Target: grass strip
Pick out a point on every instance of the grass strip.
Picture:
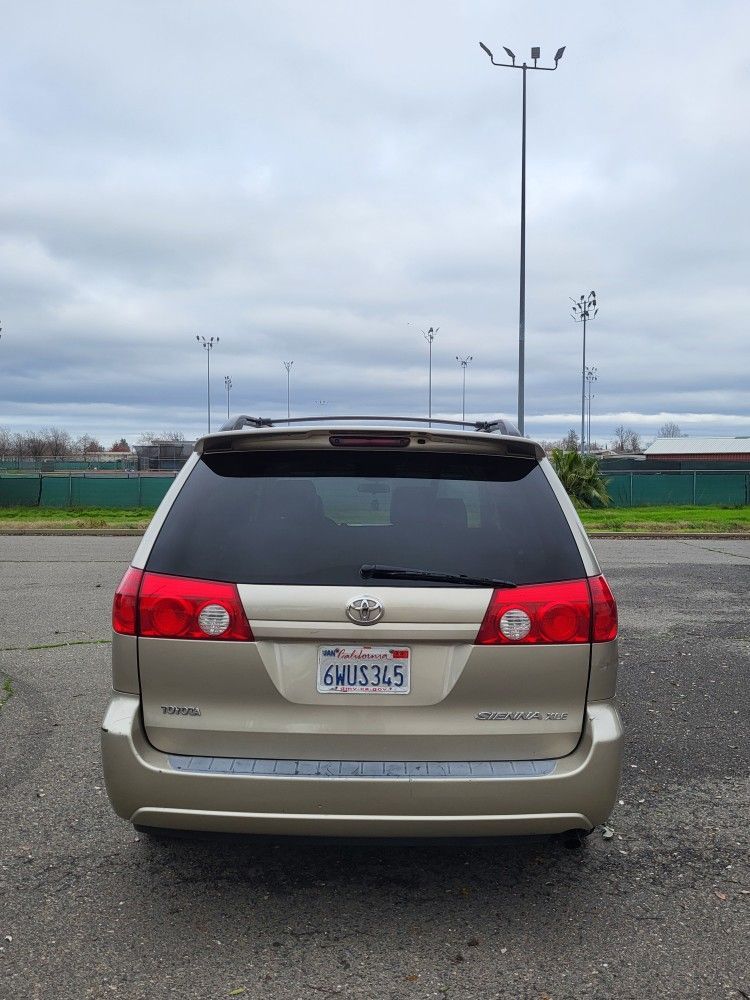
(666, 519)
(84, 517)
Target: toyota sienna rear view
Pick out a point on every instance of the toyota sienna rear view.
(364, 629)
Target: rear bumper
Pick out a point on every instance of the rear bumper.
(152, 788)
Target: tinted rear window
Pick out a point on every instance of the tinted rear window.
(315, 517)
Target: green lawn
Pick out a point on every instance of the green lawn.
(87, 517)
(667, 519)
(613, 519)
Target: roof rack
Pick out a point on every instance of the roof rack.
(487, 426)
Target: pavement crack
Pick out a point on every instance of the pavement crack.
(56, 645)
(67, 562)
(709, 548)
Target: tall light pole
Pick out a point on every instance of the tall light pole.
(584, 310)
(592, 376)
(228, 387)
(464, 362)
(429, 336)
(535, 56)
(288, 366)
(207, 343)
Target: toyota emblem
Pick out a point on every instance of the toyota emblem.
(364, 610)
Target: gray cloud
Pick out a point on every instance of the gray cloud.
(306, 181)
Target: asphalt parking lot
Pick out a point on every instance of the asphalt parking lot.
(87, 909)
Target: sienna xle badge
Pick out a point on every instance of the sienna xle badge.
(335, 627)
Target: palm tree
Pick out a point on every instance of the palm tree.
(581, 477)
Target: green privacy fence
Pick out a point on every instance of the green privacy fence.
(672, 489)
(626, 489)
(60, 491)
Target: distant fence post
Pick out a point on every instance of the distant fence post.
(695, 489)
(631, 489)
(70, 491)
(140, 491)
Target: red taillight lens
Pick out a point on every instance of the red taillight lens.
(174, 607)
(545, 613)
(605, 610)
(125, 604)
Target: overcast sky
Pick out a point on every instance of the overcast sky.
(317, 181)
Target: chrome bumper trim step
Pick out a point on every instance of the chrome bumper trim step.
(407, 769)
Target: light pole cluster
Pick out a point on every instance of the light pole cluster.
(535, 56)
(584, 311)
(429, 336)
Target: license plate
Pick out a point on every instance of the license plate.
(364, 670)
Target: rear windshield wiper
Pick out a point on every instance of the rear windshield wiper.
(371, 571)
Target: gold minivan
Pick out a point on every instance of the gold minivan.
(364, 627)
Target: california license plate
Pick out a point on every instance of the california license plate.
(364, 670)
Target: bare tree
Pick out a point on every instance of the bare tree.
(171, 437)
(35, 446)
(571, 441)
(549, 445)
(669, 430)
(626, 440)
(58, 443)
(6, 443)
(20, 446)
(634, 442)
(620, 440)
(87, 445)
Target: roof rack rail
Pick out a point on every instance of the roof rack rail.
(486, 426)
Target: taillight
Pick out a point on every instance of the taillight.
(605, 610)
(125, 604)
(573, 611)
(542, 614)
(175, 607)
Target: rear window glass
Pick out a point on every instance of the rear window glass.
(315, 517)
